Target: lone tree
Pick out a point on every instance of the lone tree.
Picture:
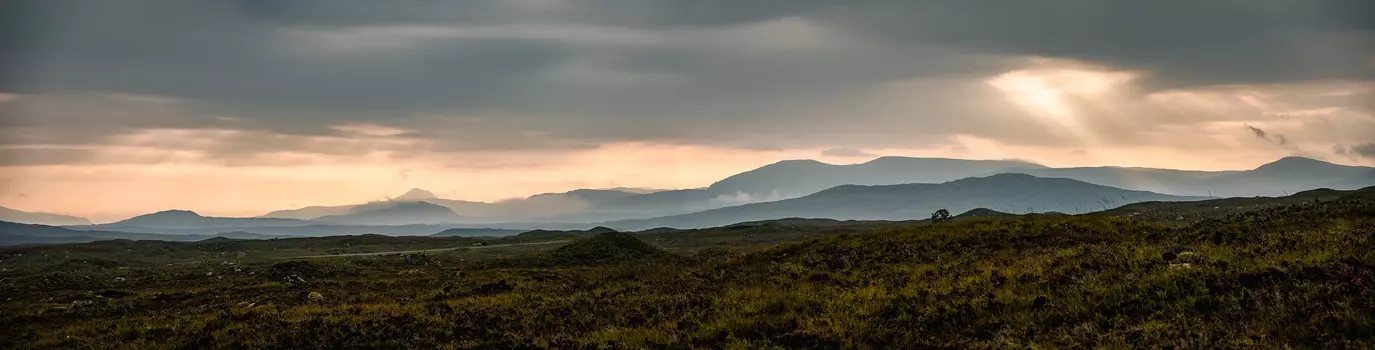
(940, 216)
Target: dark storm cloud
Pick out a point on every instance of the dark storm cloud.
(1360, 150)
(11, 156)
(1181, 42)
(565, 74)
(1278, 139)
(1258, 132)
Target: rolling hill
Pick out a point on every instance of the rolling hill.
(795, 178)
(12, 215)
(1016, 193)
(17, 233)
(184, 219)
(540, 206)
(477, 232)
(1281, 177)
(397, 214)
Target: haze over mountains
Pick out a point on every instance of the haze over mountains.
(11, 215)
(1284, 176)
(401, 213)
(191, 220)
(16, 233)
(1018, 193)
(797, 178)
(887, 188)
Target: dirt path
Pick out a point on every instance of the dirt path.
(423, 250)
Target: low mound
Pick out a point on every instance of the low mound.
(983, 213)
(604, 248)
(565, 234)
(1364, 193)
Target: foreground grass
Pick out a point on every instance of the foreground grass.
(1297, 275)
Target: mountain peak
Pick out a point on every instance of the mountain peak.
(938, 160)
(418, 206)
(1293, 163)
(1003, 177)
(175, 213)
(416, 194)
(797, 162)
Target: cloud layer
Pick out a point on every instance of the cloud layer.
(256, 83)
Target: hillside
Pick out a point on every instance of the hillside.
(17, 233)
(477, 232)
(1188, 212)
(401, 213)
(982, 213)
(11, 215)
(184, 219)
(1008, 192)
(415, 195)
(795, 178)
(603, 248)
(1296, 276)
(564, 234)
(1281, 177)
(536, 207)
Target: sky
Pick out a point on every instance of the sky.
(110, 109)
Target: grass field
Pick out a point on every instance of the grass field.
(1297, 273)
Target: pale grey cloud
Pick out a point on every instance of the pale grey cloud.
(1361, 150)
(847, 153)
(520, 74)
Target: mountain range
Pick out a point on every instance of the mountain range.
(1017, 193)
(886, 188)
(12, 215)
(796, 178)
(12, 233)
(401, 213)
(1282, 177)
(190, 220)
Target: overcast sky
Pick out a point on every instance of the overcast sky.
(115, 108)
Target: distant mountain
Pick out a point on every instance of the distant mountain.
(635, 190)
(324, 229)
(1284, 176)
(795, 178)
(415, 195)
(16, 233)
(184, 219)
(310, 212)
(477, 232)
(1185, 212)
(11, 215)
(550, 205)
(540, 206)
(1008, 192)
(397, 214)
(654, 204)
